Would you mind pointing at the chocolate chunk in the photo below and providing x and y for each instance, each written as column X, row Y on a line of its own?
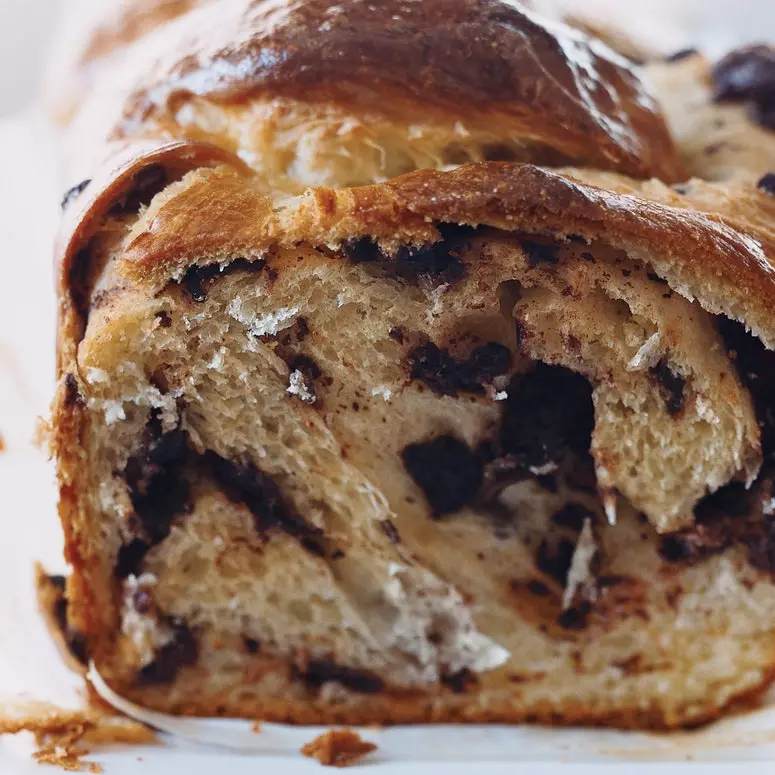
column 447, row 471
column 538, row 588
column 397, row 335
column 655, row 278
column 755, row 366
column 763, row 112
column 554, row 559
column 548, row 414
column 390, row 530
column 767, row 183
column 306, row 366
column 671, row 386
column 445, row 375
column 746, row 73
column 575, row 618
column 157, row 484
column 130, row 558
column 540, row 253
column 72, row 394
column 302, row 329
column 74, row 193
column 244, row 482
column 165, row 321
column 181, row 651
column 197, row 278
column 410, row 262
column 460, row 681
column 320, row 671
column 588, row 257
column 572, row 515
column 252, row 646
column 337, row 554
column 682, row 53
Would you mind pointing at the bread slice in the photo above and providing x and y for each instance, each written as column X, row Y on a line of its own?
column 463, row 446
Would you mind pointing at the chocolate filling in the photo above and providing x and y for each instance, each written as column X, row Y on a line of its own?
column 438, row 261
column 447, row 471
column 72, row 394
column 459, row 682
column 198, row 278
column 767, row 183
column 446, row 376
column 320, row 671
column 671, row 387
column 158, row 487
column 181, row 651
column 572, row 516
column 549, row 413
column 735, row 515
column 554, row 559
column 245, row 483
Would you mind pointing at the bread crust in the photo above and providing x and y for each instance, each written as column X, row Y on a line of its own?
column 523, row 78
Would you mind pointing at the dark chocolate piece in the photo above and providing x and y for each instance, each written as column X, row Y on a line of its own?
column 538, row 588
column 767, row 183
column 181, row 651
column 447, row 471
column 72, row 394
column 244, row 482
column 158, row 488
column 575, row 618
column 165, row 321
column 320, row 671
column 671, row 386
column 554, row 559
column 396, row 334
column 74, row 640
column 252, row 646
column 74, row 193
column 459, row 682
column 572, row 515
column 745, row 74
column 197, row 278
column 447, row 376
column 130, row 558
column 548, row 413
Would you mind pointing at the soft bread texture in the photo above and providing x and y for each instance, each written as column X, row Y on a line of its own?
column 311, row 93
column 481, row 444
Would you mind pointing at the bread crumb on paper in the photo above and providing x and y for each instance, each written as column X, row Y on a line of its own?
column 338, row 748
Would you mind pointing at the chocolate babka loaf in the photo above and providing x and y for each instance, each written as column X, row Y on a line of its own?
column 488, row 441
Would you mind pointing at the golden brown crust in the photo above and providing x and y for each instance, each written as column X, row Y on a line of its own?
column 427, row 708
column 723, row 260
column 547, row 85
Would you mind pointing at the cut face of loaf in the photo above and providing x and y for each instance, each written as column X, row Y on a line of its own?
column 403, row 453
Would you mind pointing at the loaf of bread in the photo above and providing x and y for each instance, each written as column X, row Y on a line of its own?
column 487, row 441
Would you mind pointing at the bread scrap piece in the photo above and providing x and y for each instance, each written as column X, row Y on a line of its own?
column 338, row 748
